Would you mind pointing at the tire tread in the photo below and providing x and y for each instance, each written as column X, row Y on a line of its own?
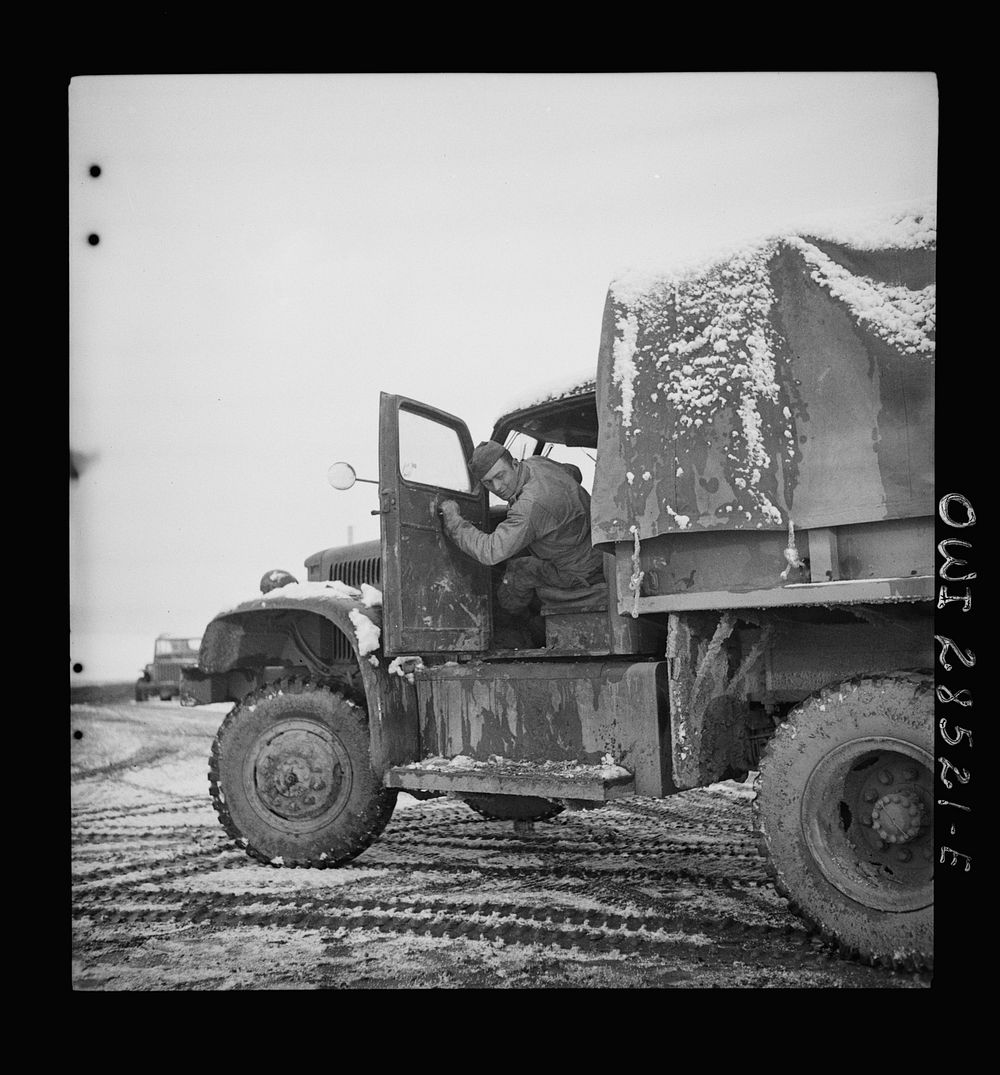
column 921, row 681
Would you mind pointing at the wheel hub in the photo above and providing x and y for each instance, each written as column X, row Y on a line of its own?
column 898, row 816
column 866, row 820
column 297, row 772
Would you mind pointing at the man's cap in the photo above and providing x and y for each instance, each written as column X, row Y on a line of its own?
column 484, row 458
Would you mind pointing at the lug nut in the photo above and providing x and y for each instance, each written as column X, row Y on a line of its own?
column 871, row 796
column 884, row 777
column 904, row 854
column 910, row 773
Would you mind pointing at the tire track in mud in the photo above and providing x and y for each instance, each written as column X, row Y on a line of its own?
column 523, row 923
column 145, row 757
column 612, row 824
column 525, row 926
column 557, row 874
column 667, row 880
column 118, row 813
column 427, row 838
column 588, row 844
column 126, row 836
column 188, row 906
column 178, row 865
column 675, row 833
column 575, row 878
column 579, row 937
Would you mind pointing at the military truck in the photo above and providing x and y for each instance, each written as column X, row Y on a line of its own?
column 760, row 433
column 161, row 678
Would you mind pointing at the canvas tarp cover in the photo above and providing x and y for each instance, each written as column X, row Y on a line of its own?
column 790, row 381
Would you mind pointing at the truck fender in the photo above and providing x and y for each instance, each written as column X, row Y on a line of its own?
column 262, row 632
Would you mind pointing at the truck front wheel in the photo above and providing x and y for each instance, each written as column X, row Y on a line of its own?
column 844, row 811
column 291, row 778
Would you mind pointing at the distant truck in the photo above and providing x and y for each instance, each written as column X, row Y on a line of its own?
column 760, row 434
column 161, row 678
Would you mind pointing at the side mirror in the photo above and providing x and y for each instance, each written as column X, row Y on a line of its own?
column 341, row 475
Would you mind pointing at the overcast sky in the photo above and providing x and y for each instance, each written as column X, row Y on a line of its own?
column 276, row 250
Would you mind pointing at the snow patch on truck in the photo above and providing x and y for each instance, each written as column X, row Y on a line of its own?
column 607, row 770
column 906, row 228
column 371, row 597
column 313, row 589
column 368, row 634
column 623, row 373
column 682, row 521
column 562, row 387
column 721, row 352
column 405, row 666
column 904, row 318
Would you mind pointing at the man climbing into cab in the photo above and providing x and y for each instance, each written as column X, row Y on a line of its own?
column 548, row 516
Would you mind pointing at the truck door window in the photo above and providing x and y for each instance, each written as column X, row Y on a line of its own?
column 431, row 453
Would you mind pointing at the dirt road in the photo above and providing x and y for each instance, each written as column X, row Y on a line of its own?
column 642, row 893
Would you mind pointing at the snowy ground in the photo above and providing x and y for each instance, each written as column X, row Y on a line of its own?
column 642, row 893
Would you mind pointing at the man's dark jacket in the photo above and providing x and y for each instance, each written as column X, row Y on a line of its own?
column 549, row 515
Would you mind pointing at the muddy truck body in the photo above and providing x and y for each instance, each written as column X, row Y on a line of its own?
column 760, row 434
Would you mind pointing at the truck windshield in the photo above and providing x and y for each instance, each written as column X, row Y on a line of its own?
column 522, row 445
column 177, row 647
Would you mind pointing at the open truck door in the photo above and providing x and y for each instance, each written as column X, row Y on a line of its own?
column 435, row 598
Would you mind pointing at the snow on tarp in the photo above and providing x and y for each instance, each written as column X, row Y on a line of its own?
column 791, row 379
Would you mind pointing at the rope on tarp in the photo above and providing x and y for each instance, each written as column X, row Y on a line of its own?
column 791, row 552
column 637, row 574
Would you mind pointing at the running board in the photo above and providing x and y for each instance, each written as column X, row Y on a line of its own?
column 547, row 780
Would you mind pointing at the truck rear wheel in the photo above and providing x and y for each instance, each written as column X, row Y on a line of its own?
column 513, row 807
column 291, row 777
column 844, row 813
